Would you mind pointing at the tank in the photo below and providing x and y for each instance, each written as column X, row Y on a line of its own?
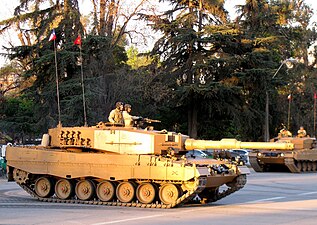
column 302, row 157
column 120, row 166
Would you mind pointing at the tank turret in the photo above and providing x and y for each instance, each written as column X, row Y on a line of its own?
column 302, row 157
column 126, row 140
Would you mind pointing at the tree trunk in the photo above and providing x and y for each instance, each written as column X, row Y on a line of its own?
column 96, row 29
column 102, row 18
column 111, row 16
column 192, row 118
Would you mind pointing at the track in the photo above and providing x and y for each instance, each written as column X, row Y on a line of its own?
column 294, row 166
column 187, row 197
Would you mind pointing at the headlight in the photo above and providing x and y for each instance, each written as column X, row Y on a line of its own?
column 282, row 155
column 259, row 154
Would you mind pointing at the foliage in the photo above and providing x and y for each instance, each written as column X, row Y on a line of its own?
column 17, row 119
column 135, row 60
column 205, row 76
column 221, row 72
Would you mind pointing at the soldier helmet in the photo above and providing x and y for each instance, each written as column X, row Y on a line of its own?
column 127, row 106
column 119, row 104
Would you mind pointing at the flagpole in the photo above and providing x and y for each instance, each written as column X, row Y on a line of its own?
column 315, row 96
column 83, row 88
column 57, row 88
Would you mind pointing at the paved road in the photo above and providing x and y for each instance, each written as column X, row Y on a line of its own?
column 268, row 198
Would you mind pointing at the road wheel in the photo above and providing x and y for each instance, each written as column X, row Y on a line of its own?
column 44, row 187
column 64, row 189
column 168, row 193
column 299, row 165
column 304, row 166
column 106, row 191
column 146, row 193
column 314, row 166
column 125, row 192
column 85, row 189
column 309, row 166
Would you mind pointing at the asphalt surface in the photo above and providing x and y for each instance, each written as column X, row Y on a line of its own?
column 267, row 198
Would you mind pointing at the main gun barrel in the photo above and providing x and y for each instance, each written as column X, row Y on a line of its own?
column 191, row 144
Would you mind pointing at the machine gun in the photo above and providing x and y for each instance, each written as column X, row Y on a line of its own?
column 147, row 120
column 142, row 122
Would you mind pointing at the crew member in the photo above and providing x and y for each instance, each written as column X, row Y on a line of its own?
column 285, row 133
column 301, row 132
column 115, row 115
column 129, row 119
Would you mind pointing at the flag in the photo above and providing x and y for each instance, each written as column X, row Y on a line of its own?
column 289, row 97
column 52, row 36
column 78, row 40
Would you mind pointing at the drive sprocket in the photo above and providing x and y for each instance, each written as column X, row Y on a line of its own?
column 20, row 176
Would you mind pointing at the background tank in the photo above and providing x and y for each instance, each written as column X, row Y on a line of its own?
column 301, row 158
column 122, row 166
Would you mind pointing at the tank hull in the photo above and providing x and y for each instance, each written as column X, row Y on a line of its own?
column 114, row 179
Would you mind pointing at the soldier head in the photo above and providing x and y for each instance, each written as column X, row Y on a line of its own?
column 119, row 105
column 127, row 107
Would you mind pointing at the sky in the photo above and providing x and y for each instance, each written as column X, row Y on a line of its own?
column 7, row 9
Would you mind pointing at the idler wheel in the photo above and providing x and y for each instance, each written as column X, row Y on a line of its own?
column 168, row 193
column 146, row 193
column 85, row 190
column 106, row 191
column 125, row 192
column 44, row 187
column 209, row 195
column 64, row 189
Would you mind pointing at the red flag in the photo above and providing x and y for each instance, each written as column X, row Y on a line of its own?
column 78, row 40
column 315, row 95
column 52, row 36
column 289, row 97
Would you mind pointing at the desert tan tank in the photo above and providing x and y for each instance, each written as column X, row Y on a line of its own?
column 120, row 166
column 301, row 158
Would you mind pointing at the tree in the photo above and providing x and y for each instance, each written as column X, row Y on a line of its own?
column 17, row 118
column 188, row 53
column 103, row 58
column 136, row 60
column 114, row 19
column 37, row 55
column 9, row 80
